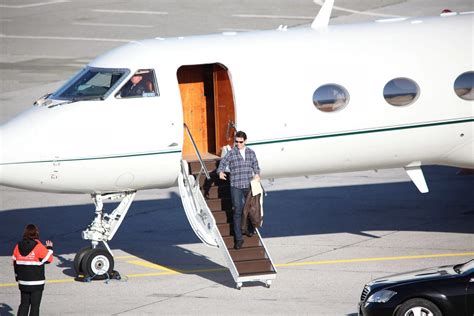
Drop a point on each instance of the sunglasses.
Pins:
(239, 142)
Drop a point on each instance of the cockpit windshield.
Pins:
(91, 83)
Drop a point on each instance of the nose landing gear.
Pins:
(92, 262)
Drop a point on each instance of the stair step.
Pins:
(253, 241)
(222, 217)
(256, 274)
(219, 204)
(254, 266)
(225, 229)
(246, 254)
(250, 260)
(213, 181)
(195, 165)
(216, 192)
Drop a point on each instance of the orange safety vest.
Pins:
(29, 268)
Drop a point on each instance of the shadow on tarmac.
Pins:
(154, 229)
(6, 310)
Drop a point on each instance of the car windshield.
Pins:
(91, 83)
(464, 267)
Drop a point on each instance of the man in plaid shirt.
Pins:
(243, 166)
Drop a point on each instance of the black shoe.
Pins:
(247, 233)
(238, 244)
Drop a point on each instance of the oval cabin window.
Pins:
(401, 91)
(330, 98)
(464, 86)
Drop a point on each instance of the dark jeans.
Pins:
(27, 299)
(238, 201)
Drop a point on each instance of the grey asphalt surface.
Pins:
(328, 235)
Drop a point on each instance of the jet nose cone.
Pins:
(19, 147)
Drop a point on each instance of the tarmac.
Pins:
(328, 235)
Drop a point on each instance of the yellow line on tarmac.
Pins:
(47, 281)
(60, 281)
(125, 257)
(141, 275)
(307, 263)
(7, 284)
(169, 271)
(151, 265)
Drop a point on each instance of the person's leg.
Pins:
(24, 307)
(35, 302)
(237, 202)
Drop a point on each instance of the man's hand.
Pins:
(49, 243)
(222, 176)
(256, 177)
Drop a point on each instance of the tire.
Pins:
(418, 307)
(97, 264)
(78, 259)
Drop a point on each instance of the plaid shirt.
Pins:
(240, 169)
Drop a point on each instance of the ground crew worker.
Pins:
(29, 257)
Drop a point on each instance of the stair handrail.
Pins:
(203, 166)
(199, 205)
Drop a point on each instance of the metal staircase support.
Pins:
(254, 262)
(200, 216)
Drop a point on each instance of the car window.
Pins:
(468, 266)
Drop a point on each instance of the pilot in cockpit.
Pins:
(139, 85)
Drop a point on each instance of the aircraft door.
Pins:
(208, 107)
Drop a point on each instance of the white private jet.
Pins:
(319, 99)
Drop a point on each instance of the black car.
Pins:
(446, 290)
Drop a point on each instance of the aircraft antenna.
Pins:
(322, 19)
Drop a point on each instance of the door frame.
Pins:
(208, 104)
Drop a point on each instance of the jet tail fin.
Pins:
(322, 19)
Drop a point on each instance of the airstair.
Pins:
(208, 207)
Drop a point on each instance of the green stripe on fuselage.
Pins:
(349, 133)
(265, 142)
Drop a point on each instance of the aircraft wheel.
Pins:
(78, 259)
(97, 264)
